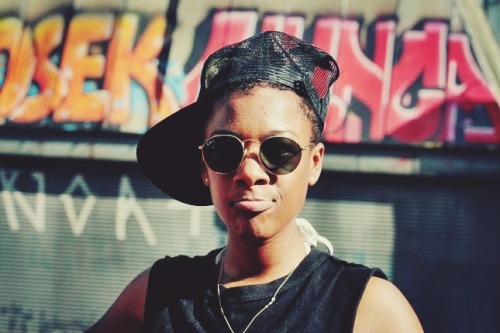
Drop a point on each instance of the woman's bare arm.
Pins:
(383, 308)
(127, 312)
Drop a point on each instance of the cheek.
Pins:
(298, 185)
(294, 193)
(218, 188)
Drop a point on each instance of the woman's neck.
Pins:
(247, 263)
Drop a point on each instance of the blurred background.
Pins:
(411, 180)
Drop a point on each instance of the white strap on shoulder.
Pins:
(310, 236)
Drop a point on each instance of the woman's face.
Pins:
(254, 203)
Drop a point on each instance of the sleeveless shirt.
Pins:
(321, 295)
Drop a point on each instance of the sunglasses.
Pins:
(224, 153)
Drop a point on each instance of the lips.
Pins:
(253, 205)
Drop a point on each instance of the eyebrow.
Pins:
(223, 131)
(269, 134)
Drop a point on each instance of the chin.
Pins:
(261, 229)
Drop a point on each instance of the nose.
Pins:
(251, 171)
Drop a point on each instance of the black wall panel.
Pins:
(74, 232)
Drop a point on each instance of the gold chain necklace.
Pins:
(271, 301)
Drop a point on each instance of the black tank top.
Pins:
(321, 295)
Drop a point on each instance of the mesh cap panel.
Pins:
(278, 58)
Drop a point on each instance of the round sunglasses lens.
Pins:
(223, 153)
(280, 155)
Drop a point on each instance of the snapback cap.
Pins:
(168, 152)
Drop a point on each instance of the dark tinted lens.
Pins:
(223, 153)
(280, 155)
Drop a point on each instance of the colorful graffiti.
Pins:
(82, 75)
(111, 73)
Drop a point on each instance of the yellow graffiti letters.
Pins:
(83, 59)
(15, 41)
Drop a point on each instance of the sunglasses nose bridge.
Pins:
(246, 146)
(251, 153)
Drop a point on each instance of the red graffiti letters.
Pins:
(421, 86)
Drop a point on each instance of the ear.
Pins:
(317, 153)
(204, 174)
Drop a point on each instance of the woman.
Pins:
(251, 146)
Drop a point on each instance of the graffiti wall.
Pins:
(121, 68)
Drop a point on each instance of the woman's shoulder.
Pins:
(383, 308)
(126, 313)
